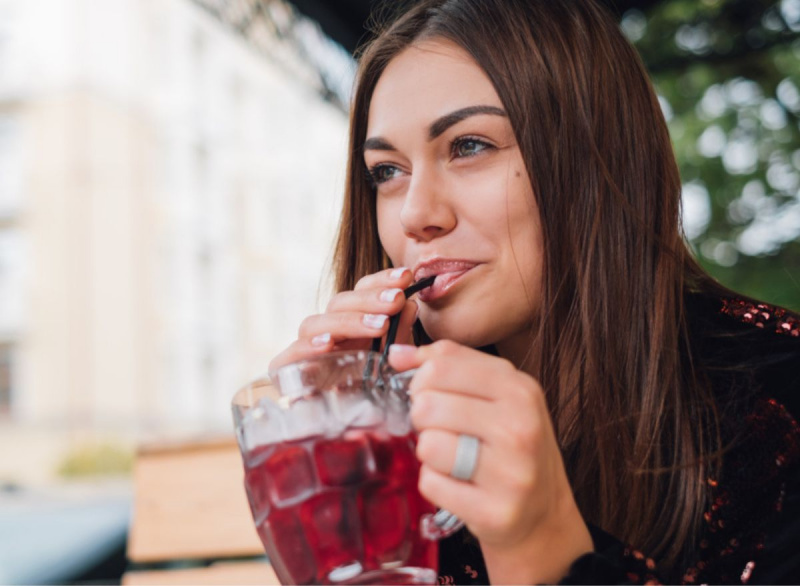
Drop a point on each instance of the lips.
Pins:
(447, 273)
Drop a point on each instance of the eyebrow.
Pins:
(378, 144)
(448, 120)
(439, 126)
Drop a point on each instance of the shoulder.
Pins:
(750, 352)
(770, 318)
(733, 315)
(747, 346)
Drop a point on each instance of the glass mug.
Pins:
(331, 473)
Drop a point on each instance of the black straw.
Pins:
(419, 286)
(394, 321)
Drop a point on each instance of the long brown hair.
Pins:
(635, 424)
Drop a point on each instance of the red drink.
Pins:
(342, 510)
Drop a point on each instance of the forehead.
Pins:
(425, 81)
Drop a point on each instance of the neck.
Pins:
(519, 350)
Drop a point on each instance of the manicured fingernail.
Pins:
(401, 349)
(389, 295)
(372, 320)
(398, 272)
(321, 339)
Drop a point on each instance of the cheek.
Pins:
(524, 232)
(509, 215)
(390, 231)
(530, 256)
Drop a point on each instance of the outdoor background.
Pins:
(170, 179)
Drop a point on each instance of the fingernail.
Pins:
(375, 321)
(321, 339)
(401, 349)
(398, 272)
(389, 295)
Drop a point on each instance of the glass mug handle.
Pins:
(443, 523)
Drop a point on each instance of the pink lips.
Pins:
(447, 272)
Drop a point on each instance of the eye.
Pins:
(382, 172)
(468, 147)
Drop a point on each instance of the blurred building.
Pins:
(168, 199)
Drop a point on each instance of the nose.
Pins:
(427, 212)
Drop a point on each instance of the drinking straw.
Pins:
(419, 286)
(443, 519)
(394, 321)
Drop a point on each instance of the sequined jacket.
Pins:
(751, 529)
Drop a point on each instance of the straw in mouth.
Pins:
(394, 321)
(419, 286)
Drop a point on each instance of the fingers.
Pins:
(438, 487)
(518, 488)
(354, 318)
(363, 312)
(498, 458)
(304, 349)
(388, 300)
(397, 277)
(332, 331)
(300, 350)
(453, 412)
(447, 366)
(343, 325)
(437, 449)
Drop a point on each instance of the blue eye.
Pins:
(382, 173)
(468, 147)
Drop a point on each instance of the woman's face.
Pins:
(453, 196)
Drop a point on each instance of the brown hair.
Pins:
(635, 425)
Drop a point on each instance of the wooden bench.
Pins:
(191, 521)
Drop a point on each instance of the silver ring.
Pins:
(466, 457)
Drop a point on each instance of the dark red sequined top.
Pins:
(751, 530)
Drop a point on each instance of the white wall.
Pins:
(176, 208)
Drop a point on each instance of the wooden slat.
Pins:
(190, 503)
(216, 574)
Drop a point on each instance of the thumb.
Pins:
(404, 357)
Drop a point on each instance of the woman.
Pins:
(635, 421)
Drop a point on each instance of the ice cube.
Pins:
(345, 460)
(305, 416)
(352, 408)
(333, 529)
(289, 474)
(395, 456)
(386, 523)
(261, 426)
(288, 550)
(257, 488)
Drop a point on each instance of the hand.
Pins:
(519, 503)
(353, 318)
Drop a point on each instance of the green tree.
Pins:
(728, 74)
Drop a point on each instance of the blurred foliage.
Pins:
(97, 459)
(728, 75)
